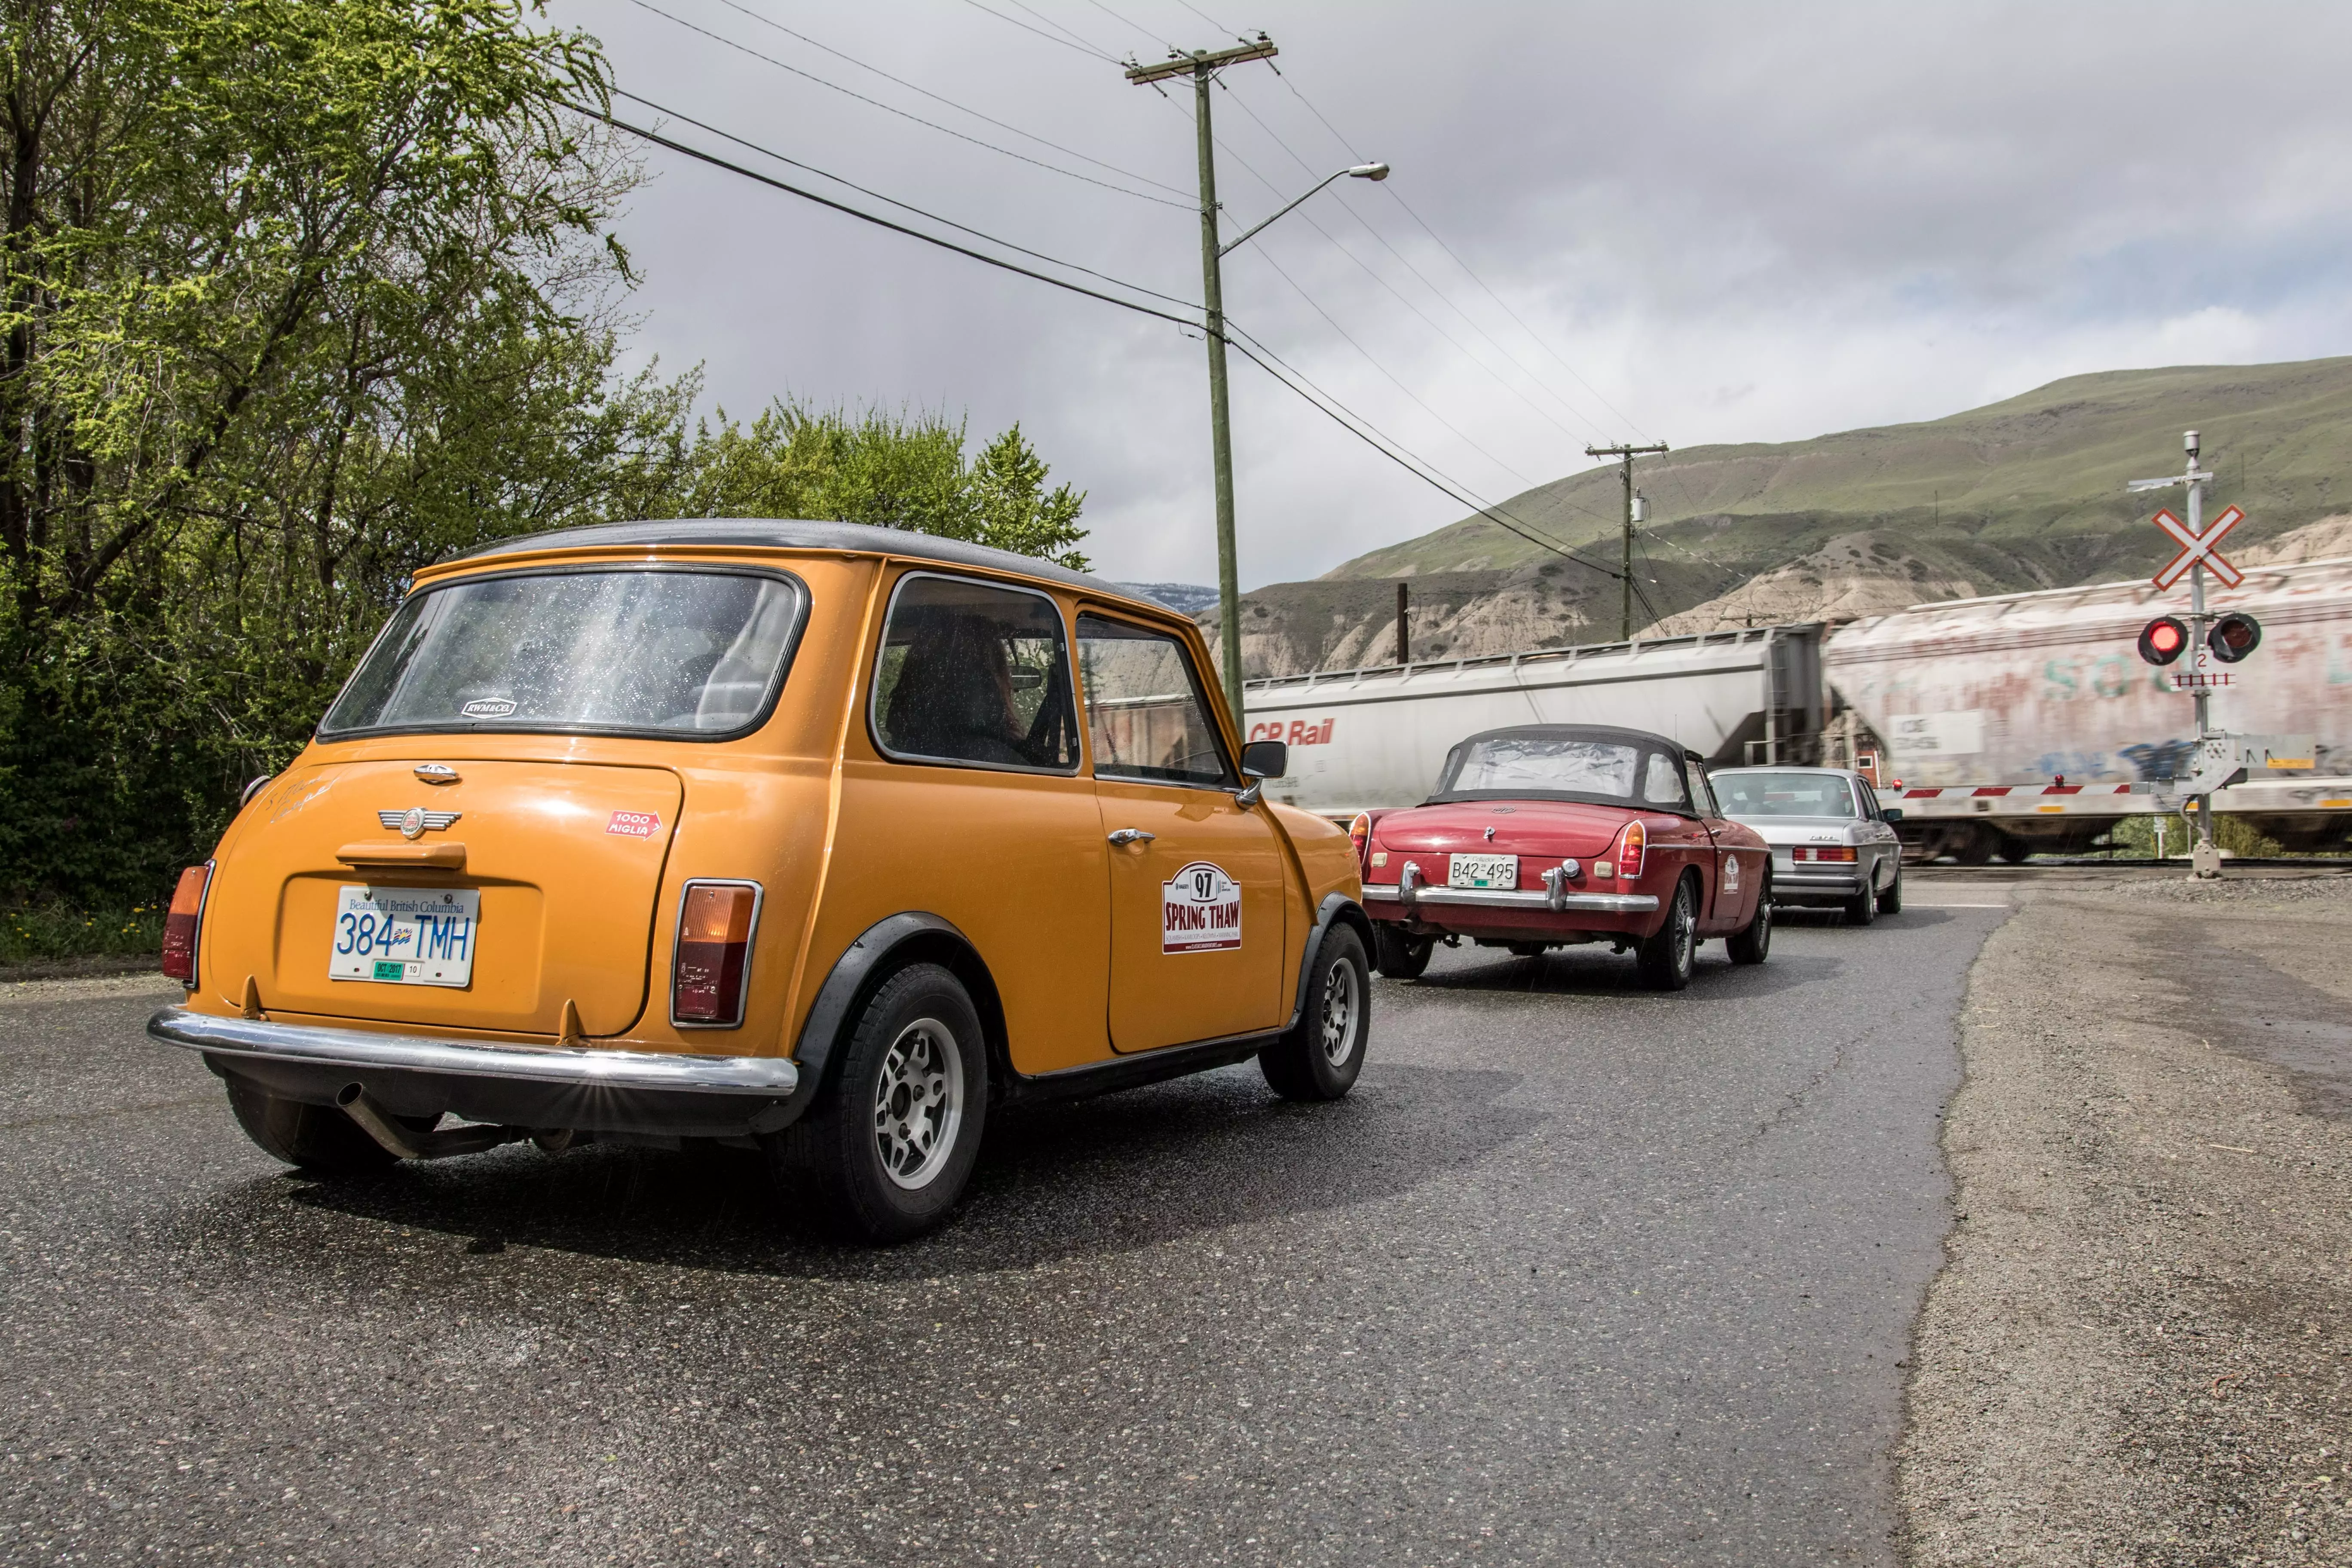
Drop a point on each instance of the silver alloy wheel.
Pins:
(1342, 1010)
(1686, 930)
(919, 1103)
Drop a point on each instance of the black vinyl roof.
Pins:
(1583, 732)
(798, 534)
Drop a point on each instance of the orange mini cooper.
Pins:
(803, 836)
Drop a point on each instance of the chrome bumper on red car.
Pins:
(1504, 899)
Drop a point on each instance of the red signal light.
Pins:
(2163, 639)
(1359, 835)
(2234, 636)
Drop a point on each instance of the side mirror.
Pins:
(1892, 812)
(1265, 760)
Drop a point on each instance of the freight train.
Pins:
(2004, 726)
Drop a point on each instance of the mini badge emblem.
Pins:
(416, 822)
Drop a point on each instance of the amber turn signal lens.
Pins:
(1630, 850)
(714, 939)
(180, 924)
(1360, 834)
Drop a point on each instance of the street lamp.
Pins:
(1212, 257)
(1353, 171)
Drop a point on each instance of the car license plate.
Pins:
(405, 936)
(1483, 871)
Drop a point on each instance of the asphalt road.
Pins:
(1578, 1274)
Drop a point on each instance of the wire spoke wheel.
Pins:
(919, 1103)
(1342, 1009)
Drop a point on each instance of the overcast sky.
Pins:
(1711, 223)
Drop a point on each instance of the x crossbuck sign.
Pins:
(2197, 547)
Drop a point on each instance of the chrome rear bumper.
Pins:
(1524, 898)
(311, 1045)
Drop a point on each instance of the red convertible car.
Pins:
(1549, 835)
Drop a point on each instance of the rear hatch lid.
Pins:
(540, 877)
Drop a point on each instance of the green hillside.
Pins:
(2022, 494)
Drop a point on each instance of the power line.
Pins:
(878, 221)
(1467, 271)
(1083, 48)
(1439, 294)
(1059, 27)
(903, 207)
(1337, 413)
(903, 114)
(1323, 401)
(951, 103)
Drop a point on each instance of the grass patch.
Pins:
(48, 933)
(2234, 834)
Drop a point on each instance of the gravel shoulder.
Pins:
(2138, 1349)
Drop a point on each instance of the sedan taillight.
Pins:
(714, 945)
(180, 923)
(1845, 856)
(1631, 849)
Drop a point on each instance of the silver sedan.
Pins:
(1832, 843)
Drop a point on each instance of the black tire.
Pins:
(1399, 956)
(1974, 845)
(1863, 908)
(2015, 852)
(319, 1138)
(1663, 960)
(1320, 1057)
(851, 1162)
(1752, 943)
(1890, 902)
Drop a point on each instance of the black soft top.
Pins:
(1583, 732)
(785, 533)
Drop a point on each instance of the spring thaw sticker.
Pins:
(1731, 873)
(1200, 911)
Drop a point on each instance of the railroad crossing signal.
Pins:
(2198, 547)
(2164, 639)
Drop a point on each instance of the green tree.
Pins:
(293, 298)
(893, 470)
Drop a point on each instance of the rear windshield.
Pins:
(1784, 795)
(632, 651)
(1552, 766)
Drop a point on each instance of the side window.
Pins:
(1703, 788)
(1662, 781)
(974, 674)
(1865, 799)
(1145, 712)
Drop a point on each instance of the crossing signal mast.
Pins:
(2226, 638)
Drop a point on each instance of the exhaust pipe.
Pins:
(380, 1124)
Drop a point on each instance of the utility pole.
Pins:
(1404, 612)
(2206, 856)
(1200, 66)
(1625, 456)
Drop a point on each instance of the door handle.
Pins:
(1131, 835)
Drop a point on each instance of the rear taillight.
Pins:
(181, 922)
(1359, 835)
(1630, 851)
(714, 943)
(1845, 856)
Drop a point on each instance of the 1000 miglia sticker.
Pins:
(1200, 911)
